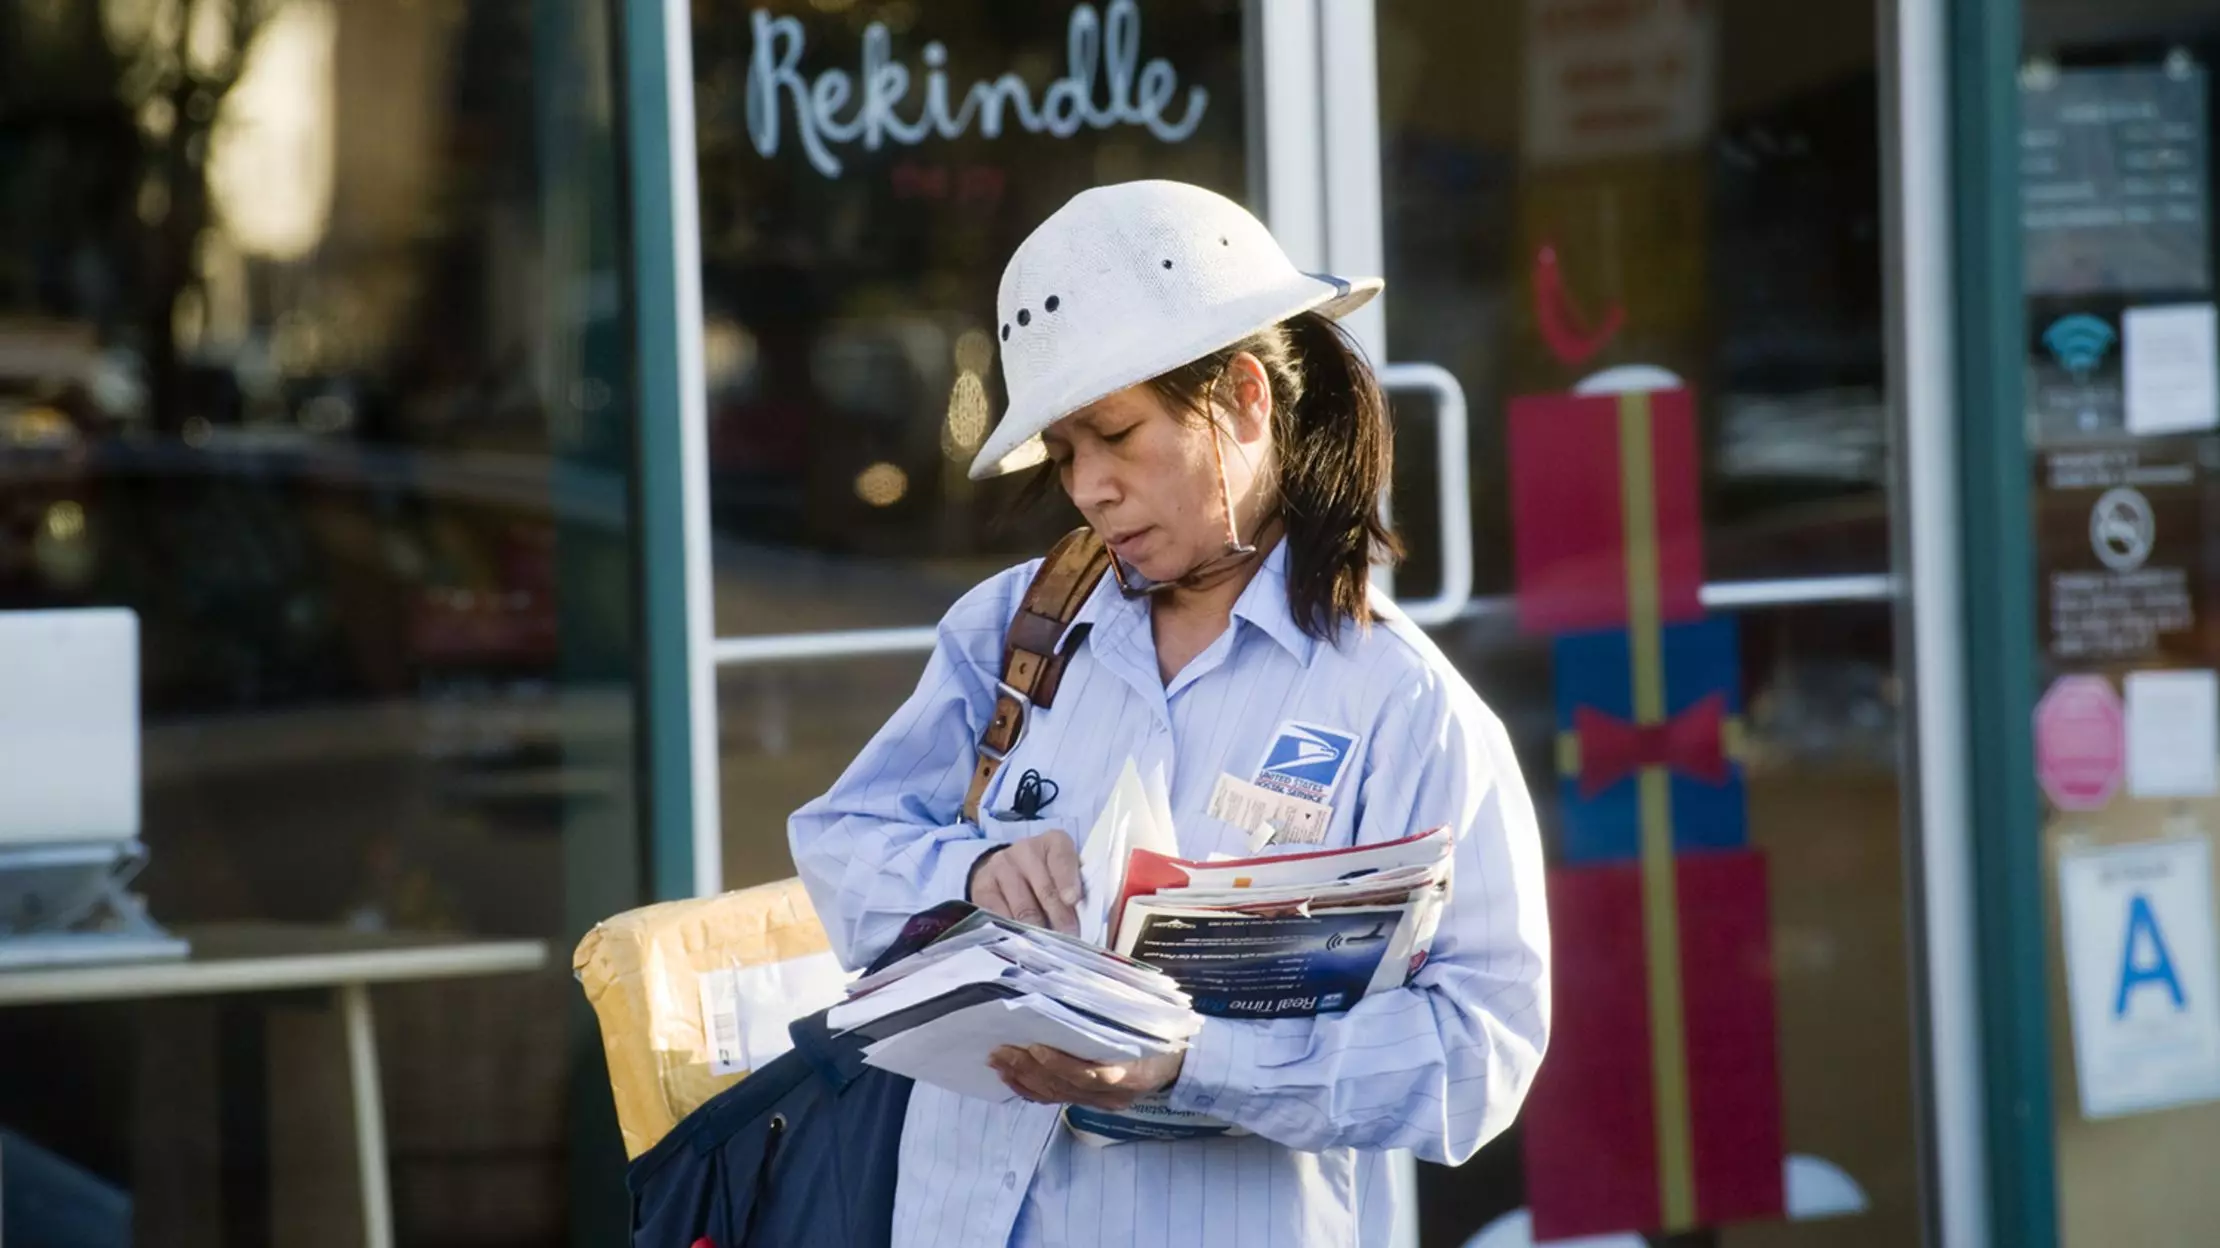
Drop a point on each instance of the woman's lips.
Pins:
(1123, 543)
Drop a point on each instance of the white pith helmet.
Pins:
(1128, 282)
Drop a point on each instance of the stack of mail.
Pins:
(1287, 935)
(937, 1012)
(1284, 936)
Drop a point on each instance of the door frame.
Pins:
(1948, 75)
(678, 690)
(1950, 148)
(1931, 617)
(1292, 43)
(1996, 537)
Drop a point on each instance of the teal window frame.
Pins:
(1997, 540)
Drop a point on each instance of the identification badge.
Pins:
(1269, 817)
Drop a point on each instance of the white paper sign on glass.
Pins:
(2170, 362)
(2173, 734)
(2142, 975)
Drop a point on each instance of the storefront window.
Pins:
(850, 253)
(1680, 203)
(313, 357)
(2116, 227)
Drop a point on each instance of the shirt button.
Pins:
(1009, 1179)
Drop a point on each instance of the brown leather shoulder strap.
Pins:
(1032, 663)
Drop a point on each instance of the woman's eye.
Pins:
(1120, 436)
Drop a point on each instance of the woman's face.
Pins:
(1145, 475)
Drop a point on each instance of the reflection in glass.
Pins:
(849, 293)
(312, 355)
(1692, 194)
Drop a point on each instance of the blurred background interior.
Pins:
(317, 354)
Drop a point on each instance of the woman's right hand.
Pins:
(1034, 880)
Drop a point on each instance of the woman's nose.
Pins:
(1090, 481)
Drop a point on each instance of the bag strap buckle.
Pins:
(1032, 658)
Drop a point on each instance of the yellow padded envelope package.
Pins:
(691, 993)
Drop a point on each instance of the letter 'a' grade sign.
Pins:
(2142, 975)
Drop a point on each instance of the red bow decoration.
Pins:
(1691, 743)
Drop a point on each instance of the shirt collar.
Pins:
(1263, 604)
(1106, 610)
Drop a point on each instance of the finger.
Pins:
(1047, 1081)
(1106, 1098)
(1024, 1076)
(1017, 1084)
(1103, 1098)
(1058, 1092)
(1019, 900)
(1043, 882)
(1045, 1091)
(986, 894)
(1062, 1065)
(1074, 1079)
(1063, 865)
(1100, 1085)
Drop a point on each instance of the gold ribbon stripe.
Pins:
(1660, 903)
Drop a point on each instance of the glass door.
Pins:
(865, 167)
(1647, 241)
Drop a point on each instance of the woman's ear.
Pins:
(1251, 409)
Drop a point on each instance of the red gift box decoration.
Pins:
(1632, 1126)
(1597, 480)
(1692, 742)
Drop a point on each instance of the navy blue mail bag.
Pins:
(800, 1154)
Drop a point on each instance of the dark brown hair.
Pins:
(1332, 455)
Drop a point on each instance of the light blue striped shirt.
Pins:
(1438, 1067)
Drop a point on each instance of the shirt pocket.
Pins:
(1001, 826)
(1007, 831)
(1202, 834)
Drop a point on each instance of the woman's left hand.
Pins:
(1039, 1073)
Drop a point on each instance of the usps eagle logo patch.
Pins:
(1306, 761)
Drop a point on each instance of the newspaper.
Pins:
(1163, 943)
(1277, 937)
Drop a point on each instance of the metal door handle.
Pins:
(1451, 435)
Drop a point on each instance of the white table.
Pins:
(254, 958)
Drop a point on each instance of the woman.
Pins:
(1192, 395)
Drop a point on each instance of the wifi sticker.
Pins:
(2079, 343)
